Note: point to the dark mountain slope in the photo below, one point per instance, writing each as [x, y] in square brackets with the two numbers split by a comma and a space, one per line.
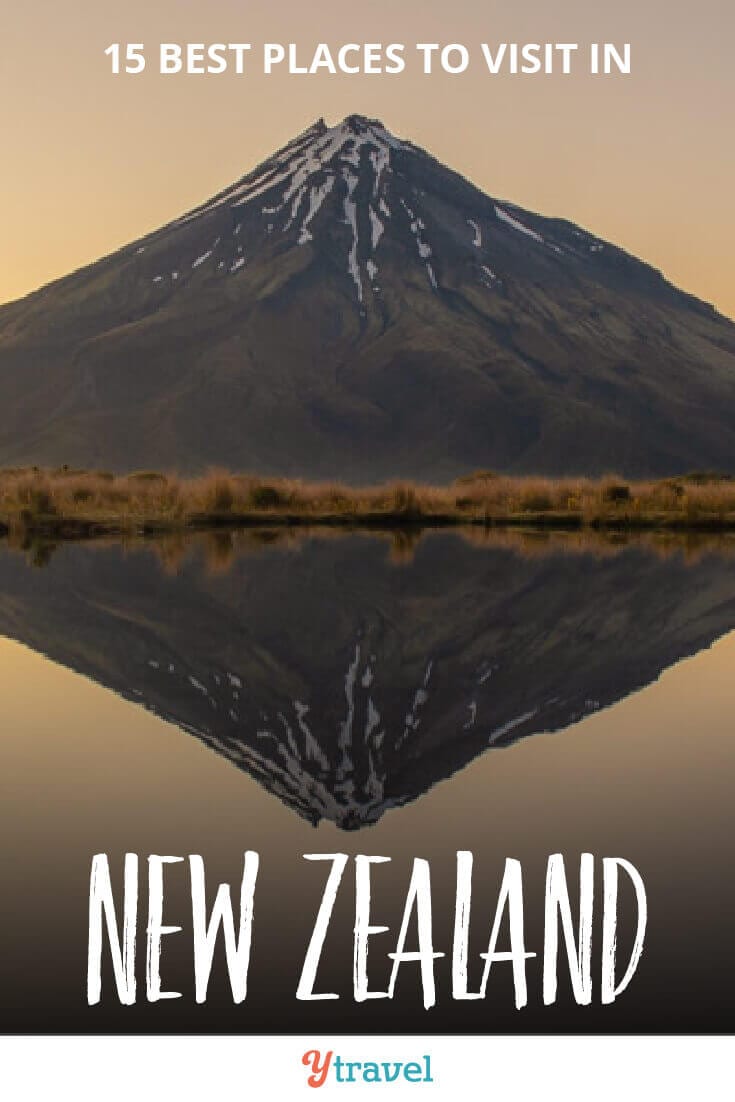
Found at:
[352, 307]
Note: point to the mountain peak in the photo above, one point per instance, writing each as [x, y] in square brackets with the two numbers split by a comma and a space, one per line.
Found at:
[351, 125]
[353, 307]
[359, 124]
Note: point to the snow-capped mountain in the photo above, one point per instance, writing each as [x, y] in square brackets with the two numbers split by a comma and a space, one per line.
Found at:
[353, 307]
[370, 175]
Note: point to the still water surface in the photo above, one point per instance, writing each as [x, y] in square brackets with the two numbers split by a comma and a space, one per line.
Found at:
[363, 695]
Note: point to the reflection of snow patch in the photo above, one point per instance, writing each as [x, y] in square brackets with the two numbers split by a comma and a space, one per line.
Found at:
[373, 719]
[345, 734]
[420, 698]
[312, 749]
[510, 725]
[473, 715]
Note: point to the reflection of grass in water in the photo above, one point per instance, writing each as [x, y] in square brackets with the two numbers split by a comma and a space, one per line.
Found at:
[530, 542]
[403, 544]
[220, 549]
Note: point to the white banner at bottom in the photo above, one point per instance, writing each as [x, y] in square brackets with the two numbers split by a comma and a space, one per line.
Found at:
[120, 1069]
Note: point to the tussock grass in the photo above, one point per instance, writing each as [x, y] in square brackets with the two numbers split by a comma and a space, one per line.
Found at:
[69, 501]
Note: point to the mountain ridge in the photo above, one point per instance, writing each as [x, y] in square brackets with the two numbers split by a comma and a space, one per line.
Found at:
[351, 306]
[320, 126]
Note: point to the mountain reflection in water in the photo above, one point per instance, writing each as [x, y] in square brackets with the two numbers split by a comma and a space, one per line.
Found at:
[350, 673]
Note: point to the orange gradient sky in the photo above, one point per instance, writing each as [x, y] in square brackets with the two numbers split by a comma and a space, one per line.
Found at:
[92, 161]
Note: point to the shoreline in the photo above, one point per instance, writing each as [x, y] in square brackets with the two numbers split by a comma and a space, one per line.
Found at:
[77, 504]
[76, 528]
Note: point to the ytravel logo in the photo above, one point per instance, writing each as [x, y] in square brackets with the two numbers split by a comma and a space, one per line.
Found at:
[330, 1066]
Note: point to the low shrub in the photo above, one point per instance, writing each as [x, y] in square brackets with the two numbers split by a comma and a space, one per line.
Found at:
[672, 487]
[404, 499]
[147, 476]
[477, 476]
[536, 502]
[220, 496]
[615, 493]
[265, 496]
[704, 478]
[36, 497]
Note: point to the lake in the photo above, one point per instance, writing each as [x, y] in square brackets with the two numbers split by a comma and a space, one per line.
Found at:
[403, 695]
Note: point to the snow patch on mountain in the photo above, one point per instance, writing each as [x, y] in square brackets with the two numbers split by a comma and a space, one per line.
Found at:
[422, 247]
[373, 180]
[516, 225]
[350, 208]
[376, 228]
[317, 196]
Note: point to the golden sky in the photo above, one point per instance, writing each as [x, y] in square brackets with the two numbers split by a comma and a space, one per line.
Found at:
[92, 161]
